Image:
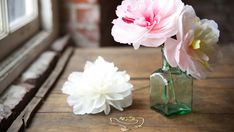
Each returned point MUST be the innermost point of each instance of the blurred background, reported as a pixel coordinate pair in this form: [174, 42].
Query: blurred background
[89, 21]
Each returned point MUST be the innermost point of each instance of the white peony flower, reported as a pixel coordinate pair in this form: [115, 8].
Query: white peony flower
[100, 86]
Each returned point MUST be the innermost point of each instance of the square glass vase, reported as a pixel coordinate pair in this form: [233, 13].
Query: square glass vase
[171, 91]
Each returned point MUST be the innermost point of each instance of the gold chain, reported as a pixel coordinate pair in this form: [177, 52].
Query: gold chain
[126, 123]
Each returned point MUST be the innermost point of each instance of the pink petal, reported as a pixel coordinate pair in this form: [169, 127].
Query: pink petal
[170, 49]
[183, 61]
[126, 33]
[152, 42]
[186, 21]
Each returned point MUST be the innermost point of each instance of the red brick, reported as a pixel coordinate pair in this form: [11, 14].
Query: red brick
[89, 15]
[83, 1]
[90, 34]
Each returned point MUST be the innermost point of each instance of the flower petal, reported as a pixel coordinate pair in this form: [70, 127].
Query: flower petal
[100, 83]
[115, 97]
[152, 42]
[127, 101]
[146, 22]
[99, 102]
[107, 109]
[170, 48]
[74, 76]
[116, 104]
[126, 33]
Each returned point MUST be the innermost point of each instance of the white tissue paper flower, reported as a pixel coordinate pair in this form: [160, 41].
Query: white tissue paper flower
[98, 88]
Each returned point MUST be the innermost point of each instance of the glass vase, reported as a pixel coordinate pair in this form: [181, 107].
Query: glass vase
[170, 90]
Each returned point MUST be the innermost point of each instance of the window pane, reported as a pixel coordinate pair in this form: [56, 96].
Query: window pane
[16, 9]
[3, 18]
[20, 12]
[1, 24]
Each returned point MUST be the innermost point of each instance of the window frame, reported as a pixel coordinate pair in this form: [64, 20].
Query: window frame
[15, 25]
[3, 12]
[13, 64]
[15, 35]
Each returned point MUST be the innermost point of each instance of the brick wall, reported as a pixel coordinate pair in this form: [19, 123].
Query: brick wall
[89, 21]
[82, 18]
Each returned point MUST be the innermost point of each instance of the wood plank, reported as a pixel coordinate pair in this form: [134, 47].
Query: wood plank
[58, 99]
[209, 96]
[52, 122]
[24, 118]
[140, 63]
[133, 66]
[47, 85]
[12, 67]
[21, 92]
[203, 84]
[212, 98]
[26, 115]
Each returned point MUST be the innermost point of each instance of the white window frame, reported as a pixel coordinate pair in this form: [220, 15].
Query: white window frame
[18, 32]
[12, 65]
[32, 7]
[4, 21]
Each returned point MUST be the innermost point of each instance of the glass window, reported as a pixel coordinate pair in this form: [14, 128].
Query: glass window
[2, 20]
[18, 22]
[1, 24]
[16, 9]
[35, 31]
[21, 12]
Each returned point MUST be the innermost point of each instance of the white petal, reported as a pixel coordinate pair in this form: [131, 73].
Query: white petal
[74, 76]
[116, 104]
[98, 110]
[115, 97]
[127, 101]
[77, 109]
[126, 93]
[92, 90]
[99, 102]
[67, 88]
[83, 108]
[107, 110]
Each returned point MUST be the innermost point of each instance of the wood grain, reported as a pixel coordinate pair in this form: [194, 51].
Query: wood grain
[67, 122]
[23, 120]
[141, 63]
[212, 97]
[218, 99]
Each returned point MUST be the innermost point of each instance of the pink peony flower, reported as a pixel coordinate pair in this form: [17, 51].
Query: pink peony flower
[195, 50]
[146, 22]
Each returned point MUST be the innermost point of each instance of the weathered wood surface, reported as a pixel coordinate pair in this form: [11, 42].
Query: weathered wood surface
[212, 98]
[26, 115]
[21, 91]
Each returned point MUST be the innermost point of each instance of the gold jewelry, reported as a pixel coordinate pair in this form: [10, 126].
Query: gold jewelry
[126, 123]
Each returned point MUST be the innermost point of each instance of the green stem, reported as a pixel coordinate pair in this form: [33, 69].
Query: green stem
[171, 86]
[171, 91]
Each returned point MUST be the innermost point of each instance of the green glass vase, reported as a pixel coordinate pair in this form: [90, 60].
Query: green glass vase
[170, 90]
